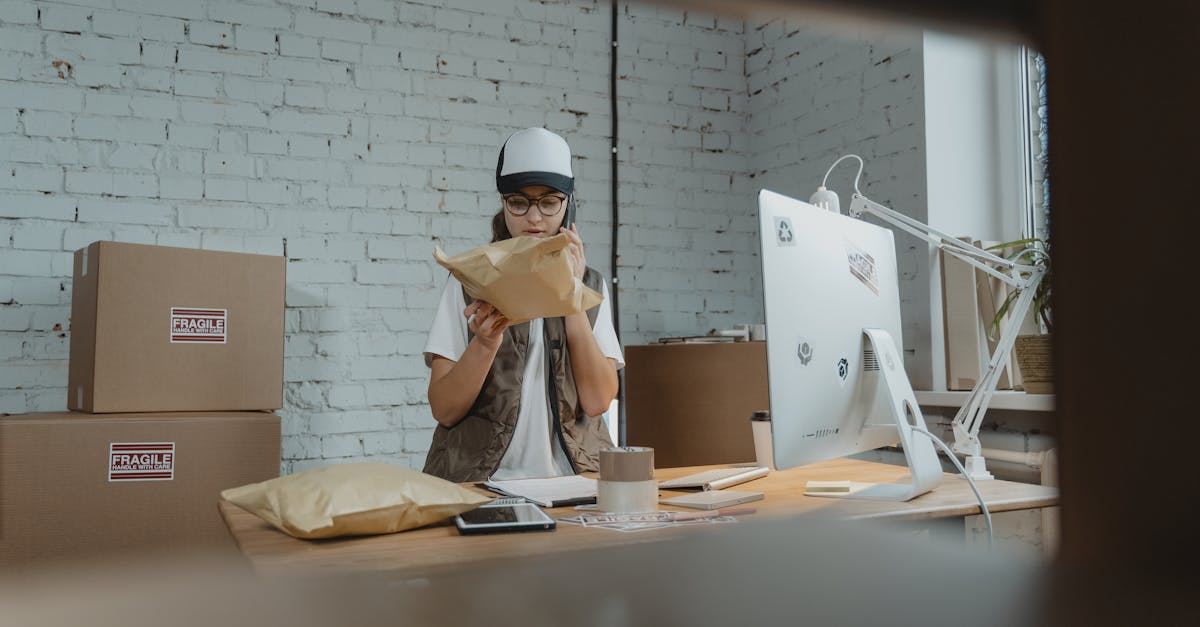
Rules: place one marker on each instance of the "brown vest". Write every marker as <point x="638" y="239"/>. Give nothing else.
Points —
<point x="471" y="450"/>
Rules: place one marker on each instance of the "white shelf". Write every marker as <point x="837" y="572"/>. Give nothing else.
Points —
<point x="1001" y="399"/>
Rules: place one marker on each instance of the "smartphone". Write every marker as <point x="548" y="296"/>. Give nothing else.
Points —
<point x="569" y="219"/>
<point x="493" y="518"/>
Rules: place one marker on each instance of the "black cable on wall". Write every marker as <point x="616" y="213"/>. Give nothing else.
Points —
<point x="612" y="91"/>
<point x="616" y="222"/>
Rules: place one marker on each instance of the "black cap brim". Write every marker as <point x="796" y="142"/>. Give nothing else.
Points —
<point x="514" y="182"/>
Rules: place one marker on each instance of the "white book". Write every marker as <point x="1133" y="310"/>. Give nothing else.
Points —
<point x="715" y="479"/>
<point x="715" y="499"/>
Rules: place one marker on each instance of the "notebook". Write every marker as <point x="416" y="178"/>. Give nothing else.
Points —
<point x="715" y="499"/>
<point x="715" y="479"/>
<point x="549" y="492"/>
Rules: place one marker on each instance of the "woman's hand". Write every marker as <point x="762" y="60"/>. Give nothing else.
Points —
<point x="454" y="386"/>
<point x="486" y="322"/>
<point x="575" y="250"/>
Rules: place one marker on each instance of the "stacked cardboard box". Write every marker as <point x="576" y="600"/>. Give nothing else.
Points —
<point x="177" y="358"/>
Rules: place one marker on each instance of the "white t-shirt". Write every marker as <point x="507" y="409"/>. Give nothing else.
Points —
<point x="535" y="450"/>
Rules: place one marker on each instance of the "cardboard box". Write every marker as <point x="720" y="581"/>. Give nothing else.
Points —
<point x="962" y="326"/>
<point x="991" y="294"/>
<point x="121" y="485"/>
<point x="692" y="402"/>
<point x="156" y="328"/>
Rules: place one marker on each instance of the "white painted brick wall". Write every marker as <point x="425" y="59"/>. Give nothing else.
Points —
<point x="815" y="95"/>
<point x="354" y="136"/>
<point x="685" y="265"/>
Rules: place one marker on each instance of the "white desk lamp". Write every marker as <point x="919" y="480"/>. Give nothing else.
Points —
<point x="1023" y="277"/>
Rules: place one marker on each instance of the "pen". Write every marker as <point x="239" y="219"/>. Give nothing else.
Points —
<point x="734" y="511"/>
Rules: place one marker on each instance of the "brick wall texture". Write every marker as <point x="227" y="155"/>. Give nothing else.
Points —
<point x="353" y="136"/>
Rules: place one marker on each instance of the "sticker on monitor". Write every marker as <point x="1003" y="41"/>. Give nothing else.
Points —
<point x="804" y="351"/>
<point x="863" y="267"/>
<point x="192" y="325"/>
<point x="785" y="233"/>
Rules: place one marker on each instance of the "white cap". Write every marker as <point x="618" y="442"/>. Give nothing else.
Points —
<point x="534" y="156"/>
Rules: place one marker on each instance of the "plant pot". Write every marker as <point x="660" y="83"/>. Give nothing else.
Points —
<point x="1036" y="362"/>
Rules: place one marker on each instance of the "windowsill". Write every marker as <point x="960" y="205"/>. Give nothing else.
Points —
<point x="1001" y="399"/>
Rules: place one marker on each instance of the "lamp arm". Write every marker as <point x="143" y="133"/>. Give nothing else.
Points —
<point x="969" y="418"/>
<point x="1012" y="273"/>
<point x="860" y="204"/>
<point x="1023" y="277"/>
<point x="1016" y="275"/>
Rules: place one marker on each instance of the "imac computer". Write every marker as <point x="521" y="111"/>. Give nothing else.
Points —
<point x="834" y="357"/>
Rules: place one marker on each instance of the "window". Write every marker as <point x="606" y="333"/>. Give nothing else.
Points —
<point x="1037" y="167"/>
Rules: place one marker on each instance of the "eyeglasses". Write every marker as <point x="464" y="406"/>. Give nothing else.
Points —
<point x="548" y="205"/>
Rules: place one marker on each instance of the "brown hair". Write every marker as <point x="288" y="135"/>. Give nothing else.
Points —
<point x="499" y="228"/>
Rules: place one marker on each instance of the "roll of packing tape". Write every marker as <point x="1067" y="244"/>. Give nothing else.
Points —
<point x="627" y="497"/>
<point x="627" y="484"/>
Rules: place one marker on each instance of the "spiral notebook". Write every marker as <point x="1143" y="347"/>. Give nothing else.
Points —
<point x="548" y="492"/>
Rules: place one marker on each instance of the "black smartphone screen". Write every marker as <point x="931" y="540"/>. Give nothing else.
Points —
<point x="569" y="219"/>
<point x="491" y="515"/>
<point x="522" y="517"/>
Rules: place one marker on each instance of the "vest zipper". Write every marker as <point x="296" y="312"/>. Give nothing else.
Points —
<point x="552" y="389"/>
<point x="524" y="358"/>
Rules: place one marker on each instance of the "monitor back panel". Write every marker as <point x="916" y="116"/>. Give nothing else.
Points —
<point x="826" y="277"/>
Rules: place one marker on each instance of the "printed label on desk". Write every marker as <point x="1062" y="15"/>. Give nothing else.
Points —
<point x="141" y="461"/>
<point x="191" y="325"/>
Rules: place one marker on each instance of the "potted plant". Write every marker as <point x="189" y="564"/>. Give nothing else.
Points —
<point x="1031" y="350"/>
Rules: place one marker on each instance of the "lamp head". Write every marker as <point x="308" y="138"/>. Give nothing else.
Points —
<point x="826" y="199"/>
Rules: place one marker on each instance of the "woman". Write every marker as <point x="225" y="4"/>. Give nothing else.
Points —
<point x="514" y="401"/>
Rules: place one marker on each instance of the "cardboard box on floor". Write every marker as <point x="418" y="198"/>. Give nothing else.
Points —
<point x="76" y="486"/>
<point x="156" y="328"/>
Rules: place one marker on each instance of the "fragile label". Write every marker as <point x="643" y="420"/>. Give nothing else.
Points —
<point x="199" y="326"/>
<point x="141" y="461"/>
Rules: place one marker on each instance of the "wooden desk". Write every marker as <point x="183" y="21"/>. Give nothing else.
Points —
<point x="440" y="549"/>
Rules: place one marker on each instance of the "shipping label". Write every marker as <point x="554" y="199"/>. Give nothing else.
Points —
<point x="199" y="326"/>
<point x="862" y="266"/>
<point x="141" y="461"/>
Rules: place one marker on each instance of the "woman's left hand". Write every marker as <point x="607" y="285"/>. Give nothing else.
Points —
<point x="575" y="250"/>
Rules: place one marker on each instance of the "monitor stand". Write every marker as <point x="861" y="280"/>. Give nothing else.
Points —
<point x="895" y="407"/>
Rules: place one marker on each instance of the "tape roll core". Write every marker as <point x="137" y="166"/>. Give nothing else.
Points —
<point x="627" y="463"/>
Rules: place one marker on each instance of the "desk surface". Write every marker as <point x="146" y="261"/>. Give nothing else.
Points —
<point x="439" y="548"/>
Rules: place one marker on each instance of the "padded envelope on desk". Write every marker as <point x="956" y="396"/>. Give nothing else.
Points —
<point x="364" y="498"/>
<point x="523" y="277"/>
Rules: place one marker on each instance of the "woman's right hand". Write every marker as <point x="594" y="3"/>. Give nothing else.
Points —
<point x="454" y="385"/>
<point x="486" y="322"/>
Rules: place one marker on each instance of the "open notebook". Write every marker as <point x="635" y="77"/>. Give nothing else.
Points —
<point x="548" y="492"/>
<point x="715" y="479"/>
